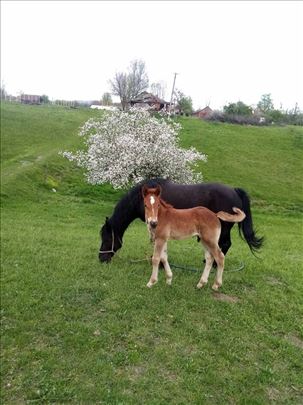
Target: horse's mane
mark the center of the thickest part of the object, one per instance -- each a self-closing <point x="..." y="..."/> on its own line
<point x="165" y="204"/>
<point x="128" y="207"/>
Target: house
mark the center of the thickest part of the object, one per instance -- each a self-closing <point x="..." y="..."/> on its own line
<point x="148" y="99"/>
<point x="30" y="99"/>
<point x="204" y="113"/>
<point x="104" y="107"/>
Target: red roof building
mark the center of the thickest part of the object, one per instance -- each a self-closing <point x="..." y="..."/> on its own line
<point x="204" y="113"/>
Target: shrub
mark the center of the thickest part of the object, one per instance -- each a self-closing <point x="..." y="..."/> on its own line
<point x="236" y="119"/>
<point x="237" y="109"/>
<point x="123" y="148"/>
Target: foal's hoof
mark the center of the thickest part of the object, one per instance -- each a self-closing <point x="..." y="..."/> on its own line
<point x="169" y="281"/>
<point x="151" y="283"/>
<point x="216" y="286"/>
<point x="201" y="284"/>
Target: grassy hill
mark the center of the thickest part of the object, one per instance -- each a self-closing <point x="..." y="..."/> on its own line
<point x="76" y="331"/>
<point x="267" y="161"/>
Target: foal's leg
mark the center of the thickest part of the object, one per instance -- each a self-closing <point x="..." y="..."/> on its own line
<point x="168" y="272"/>
<point x="158" y="247"/>
<point x="208" y="264"/>
<point x="219" y="257"/>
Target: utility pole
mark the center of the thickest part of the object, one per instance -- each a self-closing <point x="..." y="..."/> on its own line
<point x="172" y="93"/>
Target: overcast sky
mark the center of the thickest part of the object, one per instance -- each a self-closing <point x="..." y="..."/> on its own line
<point x="222" y="51"/>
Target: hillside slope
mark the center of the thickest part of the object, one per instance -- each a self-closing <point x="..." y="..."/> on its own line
<point x="266" y="161"/>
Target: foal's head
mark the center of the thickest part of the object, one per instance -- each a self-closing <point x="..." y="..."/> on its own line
<point x="151" y="198"/>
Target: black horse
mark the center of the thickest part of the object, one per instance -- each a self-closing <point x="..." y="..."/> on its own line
<point x="215" y="196"/>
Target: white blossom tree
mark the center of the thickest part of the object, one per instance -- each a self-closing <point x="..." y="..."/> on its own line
<point x="123" y="148"/>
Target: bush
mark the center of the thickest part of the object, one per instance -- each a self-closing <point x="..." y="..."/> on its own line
<point x="238" y="109"/>
<point x="219" y="116"/>
<point x="124" y="148"/>
<point x="289" y="118"/>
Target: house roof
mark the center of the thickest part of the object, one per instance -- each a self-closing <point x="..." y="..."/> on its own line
<point x="205" y="109"/>
<point x="146" y="97"/>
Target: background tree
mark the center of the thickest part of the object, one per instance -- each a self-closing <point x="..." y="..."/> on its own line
<point x="184" y="103"/>
<point x="129" y="85"/>
<point x="3" y="92"/>
<point x="107" y="99"/>
<point x="238" y="108"/>
<point x="265" y="105"/>
<point x="275" y="116"/>
<point x="158" y="89"/>
<point x="44" y="99"/>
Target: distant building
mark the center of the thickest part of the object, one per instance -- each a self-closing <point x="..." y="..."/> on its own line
<point x="147" y="99"/>
<point x="204" y="113"/>
<point x="104" y="107"/>
<point x="30" y="99"/>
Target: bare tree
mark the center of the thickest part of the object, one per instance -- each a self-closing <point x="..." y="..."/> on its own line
<point x="158" y="89"/>
<point x="107" y="99"/>
<point x="129" y="85"/>
<point x="137" y="78"/>
<point x="3" y="92"/>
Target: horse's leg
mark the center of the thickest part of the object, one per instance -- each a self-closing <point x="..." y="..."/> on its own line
<point x="208" y="264"/>
<point x="219" y="257"/>
<point x="168" y="272"/>
<point x="158" y="247"/>
<point x="225" y="240"/>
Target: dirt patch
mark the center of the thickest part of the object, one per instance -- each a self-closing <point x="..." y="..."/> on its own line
<point x="132" y="372"/>
<point x="168" y="375"/>
<point x="137" y="371"/>
<point x="273" y="394"/>
<point x="224" y="297"/>
<point x="25" y="162"/>
<point x="294" y="340"/>
<point x="274" y="281"/>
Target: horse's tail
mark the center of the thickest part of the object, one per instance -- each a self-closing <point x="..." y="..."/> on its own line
<point x="246" y="229"/>
<point x="239" y="215"/>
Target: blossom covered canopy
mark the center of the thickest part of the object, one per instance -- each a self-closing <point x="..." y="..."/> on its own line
<point x="124" y="148"/>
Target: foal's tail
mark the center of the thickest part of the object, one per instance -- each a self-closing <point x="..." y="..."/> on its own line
<point x="238" y="217"/>
<point x="246" y="229"/>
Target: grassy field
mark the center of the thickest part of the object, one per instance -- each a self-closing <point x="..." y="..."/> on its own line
<point x="75" y="331"/>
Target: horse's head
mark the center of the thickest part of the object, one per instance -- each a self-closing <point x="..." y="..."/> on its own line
<point x="151" y="197"/>
<point x="110" y="242"/>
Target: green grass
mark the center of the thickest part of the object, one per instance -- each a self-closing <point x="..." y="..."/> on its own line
<point x="76" y="331"/>
<point x="267" y="161"/>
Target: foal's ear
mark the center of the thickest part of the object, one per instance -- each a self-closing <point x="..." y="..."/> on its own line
<point x="158" y="190"/>
<point x="144" y="190"/>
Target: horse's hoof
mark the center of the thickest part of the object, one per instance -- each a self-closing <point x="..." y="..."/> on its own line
<point x="201" y="284"/>
<point x="216" y="286"/>
<point x="150" y="284"/>
<point x="169" y="281"/>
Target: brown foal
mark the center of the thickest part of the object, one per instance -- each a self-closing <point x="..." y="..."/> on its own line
<point x="165" y="222"/>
